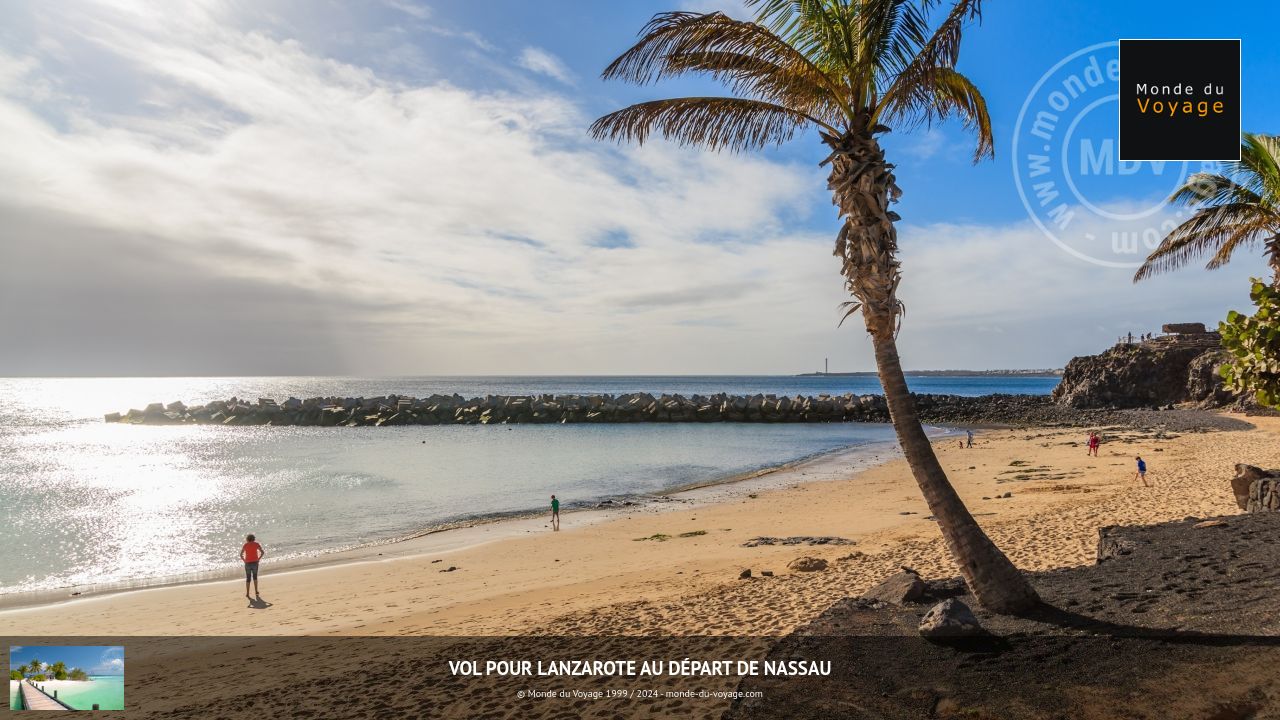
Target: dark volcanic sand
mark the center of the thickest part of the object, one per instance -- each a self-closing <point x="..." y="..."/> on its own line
<point x="1187" y="625"/>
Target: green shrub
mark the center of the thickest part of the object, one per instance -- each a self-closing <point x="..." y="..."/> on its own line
<point x="1253" y="341"/>
<point x="77" y="674"/>
<point x="15" y="675"/>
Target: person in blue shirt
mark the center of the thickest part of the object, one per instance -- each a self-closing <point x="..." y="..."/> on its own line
<point x="1142" y="471"/>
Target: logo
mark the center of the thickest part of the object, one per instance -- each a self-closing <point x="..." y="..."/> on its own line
<point x="1068" y="169"/>
<point x="1180" y="99"/>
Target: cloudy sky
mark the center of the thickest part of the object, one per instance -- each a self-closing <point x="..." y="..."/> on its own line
<point x="400" y="187"/>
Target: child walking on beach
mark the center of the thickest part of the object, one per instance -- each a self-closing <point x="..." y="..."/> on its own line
<point x="555" y="513"/>
<point x="1142" y="471"/>
<point x="1094" y="442"/>
<point x="251" y="553"/>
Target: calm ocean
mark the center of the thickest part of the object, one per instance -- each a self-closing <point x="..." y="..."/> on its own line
<point x="84" y="502"/>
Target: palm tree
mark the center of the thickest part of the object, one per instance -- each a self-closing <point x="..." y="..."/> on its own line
<point x="1239" y="207"/>
<point x="849" y="69"/>
<point x="33" y="666"/>
<point x="22" y="669"/>
<point x="59" y="670"/>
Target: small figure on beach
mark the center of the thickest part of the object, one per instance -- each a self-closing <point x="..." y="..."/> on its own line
<point x="1142" y="471"/>
<point x="555" y="513"/>
<point x="969" y="434"/>
<point x="251" y="553"/>
<point x="1094" y="442"/>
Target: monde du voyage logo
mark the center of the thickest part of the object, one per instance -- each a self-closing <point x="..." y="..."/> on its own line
<point x="1179" y="100"/>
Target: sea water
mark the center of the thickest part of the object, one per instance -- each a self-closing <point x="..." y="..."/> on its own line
<point x="84" y="502"/>
<point x="106" y="691"/>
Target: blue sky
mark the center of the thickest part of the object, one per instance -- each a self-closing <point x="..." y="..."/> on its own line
<point x="93" y="659"/>
<point x="406" y="187"/>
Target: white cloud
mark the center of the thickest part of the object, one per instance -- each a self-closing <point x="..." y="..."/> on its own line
<point x="111" y="662"/>
<point x="412" y="9"/>
<point x="544" y="63"/>
<point x="198" y="196"/>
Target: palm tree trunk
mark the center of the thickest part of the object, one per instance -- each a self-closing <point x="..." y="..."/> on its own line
<point x="997" y="584"/>
<point x="863" y="185"/>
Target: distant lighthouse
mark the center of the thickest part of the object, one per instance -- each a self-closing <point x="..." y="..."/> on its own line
<point x="826" y="366"/>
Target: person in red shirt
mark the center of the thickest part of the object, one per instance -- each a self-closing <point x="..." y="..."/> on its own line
<point x="251" y="552"/>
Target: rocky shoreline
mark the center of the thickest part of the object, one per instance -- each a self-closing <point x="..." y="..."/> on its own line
<point x="399" y="410"/>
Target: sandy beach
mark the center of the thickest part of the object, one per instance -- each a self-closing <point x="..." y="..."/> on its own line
<point x="641" y="571"/>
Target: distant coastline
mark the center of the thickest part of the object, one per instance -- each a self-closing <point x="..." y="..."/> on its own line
<point x="945" y="373"/>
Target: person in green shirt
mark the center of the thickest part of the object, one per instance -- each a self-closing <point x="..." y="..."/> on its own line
<point x="555" y="513"/>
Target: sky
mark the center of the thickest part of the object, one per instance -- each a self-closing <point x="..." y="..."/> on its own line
<point x="93" y="659"/>
<point x="403" y="187"/>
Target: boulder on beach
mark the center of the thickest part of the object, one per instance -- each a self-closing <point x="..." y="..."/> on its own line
<point x="1255" y="489"/>
<point x="898" y="589"/>
<point x="807" y="564"/>
<point x="950" y="618"/>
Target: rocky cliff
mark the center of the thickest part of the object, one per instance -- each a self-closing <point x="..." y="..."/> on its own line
<point x="1162" y="372"/>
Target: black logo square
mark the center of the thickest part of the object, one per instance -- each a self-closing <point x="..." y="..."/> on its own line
<point x="1179" y="99"/>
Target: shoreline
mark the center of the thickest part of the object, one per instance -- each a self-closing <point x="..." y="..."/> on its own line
<point x="676" y="568"/>
<point x="455" y="536"/>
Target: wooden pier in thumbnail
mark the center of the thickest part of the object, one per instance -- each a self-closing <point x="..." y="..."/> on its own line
<point x="34" y="698"/>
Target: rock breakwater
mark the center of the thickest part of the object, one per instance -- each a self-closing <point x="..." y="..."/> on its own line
<point x="394" y="410"/>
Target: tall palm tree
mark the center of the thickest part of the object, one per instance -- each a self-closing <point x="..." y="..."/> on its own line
<point x="1239" y="207"/>
<point x="59" y="670"/>
<point x="33" y="666"/>
<point x="849" y="69"/>
<point x="22" y="669"/>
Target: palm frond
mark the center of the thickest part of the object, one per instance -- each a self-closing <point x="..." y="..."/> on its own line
<point x="1211" y="189"/>
<point x="941" y="50"/>
<point x="744" y="54"/>
<point x="1207" y="231"/>
<point x="939" y="93"/>
<point x="733" y="124"/>
<point x="1243" y="236"/>
<point x="753" y="77"/>
<point x="901" y="43"/>
<point x="823" y="30"/>
<point x="1259" y="166"/>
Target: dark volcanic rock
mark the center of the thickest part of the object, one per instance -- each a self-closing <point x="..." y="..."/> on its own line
<point x="953" y="410"/>
<point x="1127" y="376"/>
<point x="1112" y="544"/>
<point x="1204" y="384"/>
<point x="898" y="589"/>
<point x="1261" y="489"/>
<point x="799" y="540"/>
<point x="949" y="619"/>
